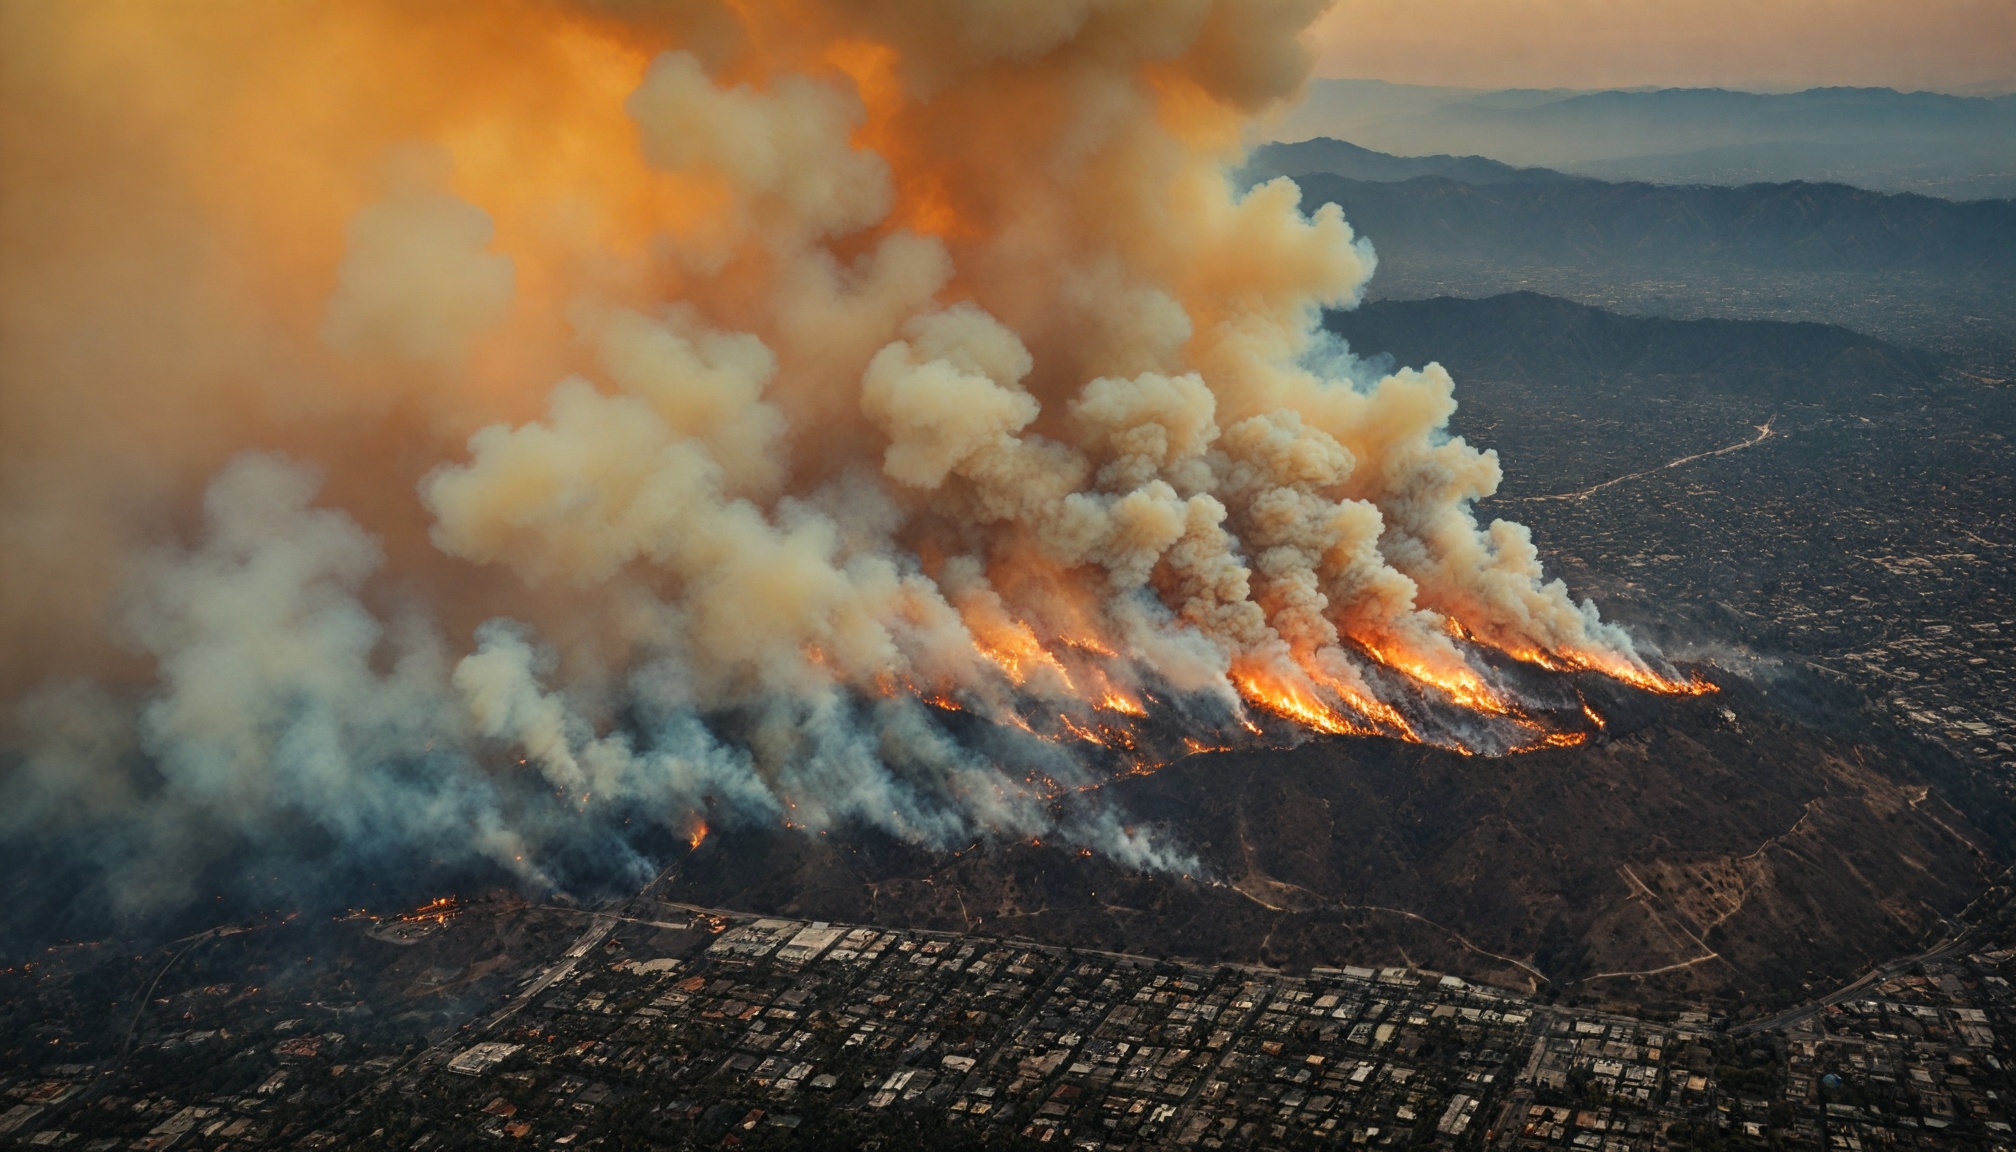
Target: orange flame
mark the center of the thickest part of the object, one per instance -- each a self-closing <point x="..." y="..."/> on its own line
<point x="1016" y="651"/>
<point x="1080" y="731"/>
<point x="1117" y="701"/>
<point x="1555" y="740"/>
<point x="1377" y="711"/>
<point x="1461" y="684"/>
<point x="439" y="910"/>
<point x="1292" y="701"/>
<point x="1611" y="665"/>
<point x="694" y="841"/>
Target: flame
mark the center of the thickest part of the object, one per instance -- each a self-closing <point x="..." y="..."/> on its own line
<point x="1375" y="710"/>
<point x="1117" y="701"/>
<point x="1615" y="666"/>
<point x="1289" y="700"/>
<point x="1461" y="684"/>
<point x="698" y="837"/>
<point x="439" y="910"/>
<point x="1080" y="731"/>
<point x="1646" y="679"/>
<point x="1015" y="649"/>
<point x="1555" y="740"/>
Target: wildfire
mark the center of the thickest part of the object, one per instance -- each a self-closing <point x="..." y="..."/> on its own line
<point x="1615" y="667"/>
<point x="1653" y="682"/>
<point x="1462" y="685"/>
<point x="1292" y="702"/>
<point x="1015" y="649"/>
<point x="698" y="837"/>
<point x="439" y="910"/>
<point x="1080" y="731"/>
<point x="1307" y="693"/>
<point x="1116" y="701"/>
<point x="1377" y="711"/>
<point x="1555" y="740"/>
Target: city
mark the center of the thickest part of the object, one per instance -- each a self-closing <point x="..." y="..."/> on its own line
<point x="660" y="1026"/>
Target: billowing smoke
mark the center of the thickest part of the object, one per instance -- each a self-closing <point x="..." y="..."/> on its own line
<point x="878" y="414"/>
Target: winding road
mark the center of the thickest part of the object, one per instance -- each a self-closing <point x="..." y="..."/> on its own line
<point x="1764" y="433"/>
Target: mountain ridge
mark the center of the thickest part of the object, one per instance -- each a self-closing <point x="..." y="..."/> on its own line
<point x="1335" y="157"/>
<point x="1804" y="361"/>
<point x="1955" y="146"/>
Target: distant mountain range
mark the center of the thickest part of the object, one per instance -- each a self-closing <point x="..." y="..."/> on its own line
<point x="1640" y="228"/>
<point x="1914" y="269"/>
<point x="1476" y="207"/>
<point x="1782" y="227"/>
<point x="1959" y="147"/>
<point x="1325" y="156"/>
<point x="1542" y="340"/>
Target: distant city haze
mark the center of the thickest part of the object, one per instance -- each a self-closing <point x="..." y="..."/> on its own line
<point x="1966" y="46"/>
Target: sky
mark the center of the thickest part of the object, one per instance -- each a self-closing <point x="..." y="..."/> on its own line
<point x="1938" y="45"/>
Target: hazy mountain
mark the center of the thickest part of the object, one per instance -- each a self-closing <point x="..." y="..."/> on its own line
<point x="1914" y="269"/>
<point x="1966" y="172"/>
<point x="1803" y="227"/>
<point x="1960" y="147"/>
<point x="1341" y="158"/>
<point x="1533" y="338"/>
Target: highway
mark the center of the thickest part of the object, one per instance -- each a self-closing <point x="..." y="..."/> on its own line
<point x="1868" y="979"/>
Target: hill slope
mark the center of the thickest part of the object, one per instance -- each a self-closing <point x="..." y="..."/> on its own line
<point x="1342" y="158"/>
<point x="1912" y="269"/>
<point x="1790" y="829"/>
<point x="1539" y="339"/>
<point x="1707" y="847"/>
<point x="1777" y="227"/>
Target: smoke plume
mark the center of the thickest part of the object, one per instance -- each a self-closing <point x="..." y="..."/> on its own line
<point x="471" y="429"/>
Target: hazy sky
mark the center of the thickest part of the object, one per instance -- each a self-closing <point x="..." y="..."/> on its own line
<point x="1945" y="45"/>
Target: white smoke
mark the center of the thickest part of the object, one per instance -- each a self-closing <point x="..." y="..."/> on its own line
<point x="911" y="361"/>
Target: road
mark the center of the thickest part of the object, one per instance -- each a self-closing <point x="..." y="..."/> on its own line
<point x="1872" y="977"/>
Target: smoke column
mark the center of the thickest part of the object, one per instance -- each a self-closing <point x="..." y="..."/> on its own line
<point x="466" y="428"/>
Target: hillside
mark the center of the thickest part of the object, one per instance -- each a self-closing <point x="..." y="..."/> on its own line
<point x="1343" y="158"/>
<point x="1535" y="339"/>
<point x="1706" y="847"/>
<point x="1914" y="270"/>
<point x="1830" y="806"/>
<point x="1647" y="227"/>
